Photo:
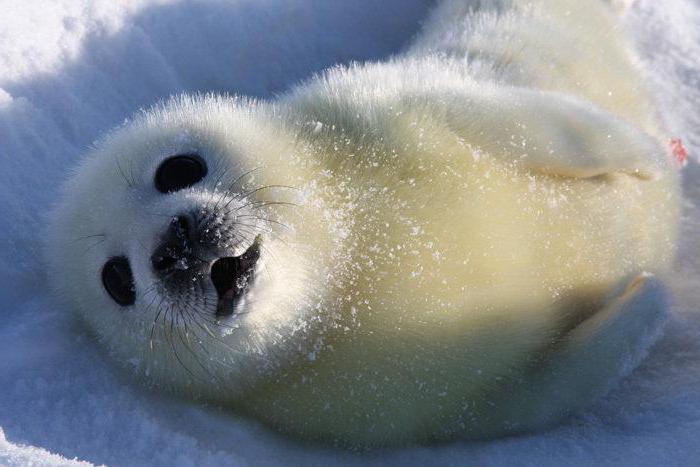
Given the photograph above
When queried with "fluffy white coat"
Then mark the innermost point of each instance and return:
(473, 246)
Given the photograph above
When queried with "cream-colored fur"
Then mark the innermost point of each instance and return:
(459, 260)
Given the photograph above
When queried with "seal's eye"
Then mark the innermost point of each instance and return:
(118, 281)
(178, 172)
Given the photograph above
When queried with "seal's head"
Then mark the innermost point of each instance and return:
(178, 242)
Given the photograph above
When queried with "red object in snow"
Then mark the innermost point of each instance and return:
(679, 152)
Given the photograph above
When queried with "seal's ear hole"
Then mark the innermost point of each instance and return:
(179, 172)
(118, 281)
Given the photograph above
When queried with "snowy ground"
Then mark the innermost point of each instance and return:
(70, 69)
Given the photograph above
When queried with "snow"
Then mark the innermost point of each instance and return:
(71, 69)
(21, 455)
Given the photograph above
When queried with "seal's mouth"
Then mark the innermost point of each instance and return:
(232, 277)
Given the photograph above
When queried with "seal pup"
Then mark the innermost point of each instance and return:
(466, 241)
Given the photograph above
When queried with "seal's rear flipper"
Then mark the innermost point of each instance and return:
(592, 357)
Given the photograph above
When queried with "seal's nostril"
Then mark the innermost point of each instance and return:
(163, 263)
(175, 247)
(179, 228)
(165, 257)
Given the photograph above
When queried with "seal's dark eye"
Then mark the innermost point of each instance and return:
(118, 281)
(178, 172)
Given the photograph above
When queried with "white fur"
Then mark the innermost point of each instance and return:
(461, 210)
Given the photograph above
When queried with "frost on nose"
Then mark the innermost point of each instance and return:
(175, 250)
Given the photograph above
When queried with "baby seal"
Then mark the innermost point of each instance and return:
(465, 241)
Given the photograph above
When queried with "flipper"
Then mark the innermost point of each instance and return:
(592, 357)
(553, 133)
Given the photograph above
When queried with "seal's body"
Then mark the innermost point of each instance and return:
(464, 241)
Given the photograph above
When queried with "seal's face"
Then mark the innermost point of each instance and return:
(178, 242)
(198, 245)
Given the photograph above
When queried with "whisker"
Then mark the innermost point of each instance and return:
(238, 180)
(93, 246)
(155, 320)
(121, 172)
(264, 219)
(218, 180)
(260, 204)
(88, 237)
(256, 190)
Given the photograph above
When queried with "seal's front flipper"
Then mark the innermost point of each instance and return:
(554, 134)
(592, 357)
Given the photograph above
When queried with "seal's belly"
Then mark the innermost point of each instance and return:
(438, 225)
(461, 270)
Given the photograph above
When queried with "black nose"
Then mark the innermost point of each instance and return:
(175, 248)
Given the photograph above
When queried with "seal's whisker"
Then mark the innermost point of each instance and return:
(242, 224)
(155, 320)
(189, 317)
(194, 355)
(256, 190)
(175, 354)
(121, 172)
(94, 245)
(261, 204)
(158, 214)
(266, 187)
(151, 288)
(242, 176)
(204, 349)
(238, 180)
(178, 330)
(216, 183)
(131, 173)
(216, 339)
(148, 309)
(204, 316)
(264, 219)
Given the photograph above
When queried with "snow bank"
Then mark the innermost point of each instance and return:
(71, 69)
(11, 454)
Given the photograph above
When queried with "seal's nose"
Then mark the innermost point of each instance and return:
(176, 247)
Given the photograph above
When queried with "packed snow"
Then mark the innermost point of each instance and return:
(71, 69)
